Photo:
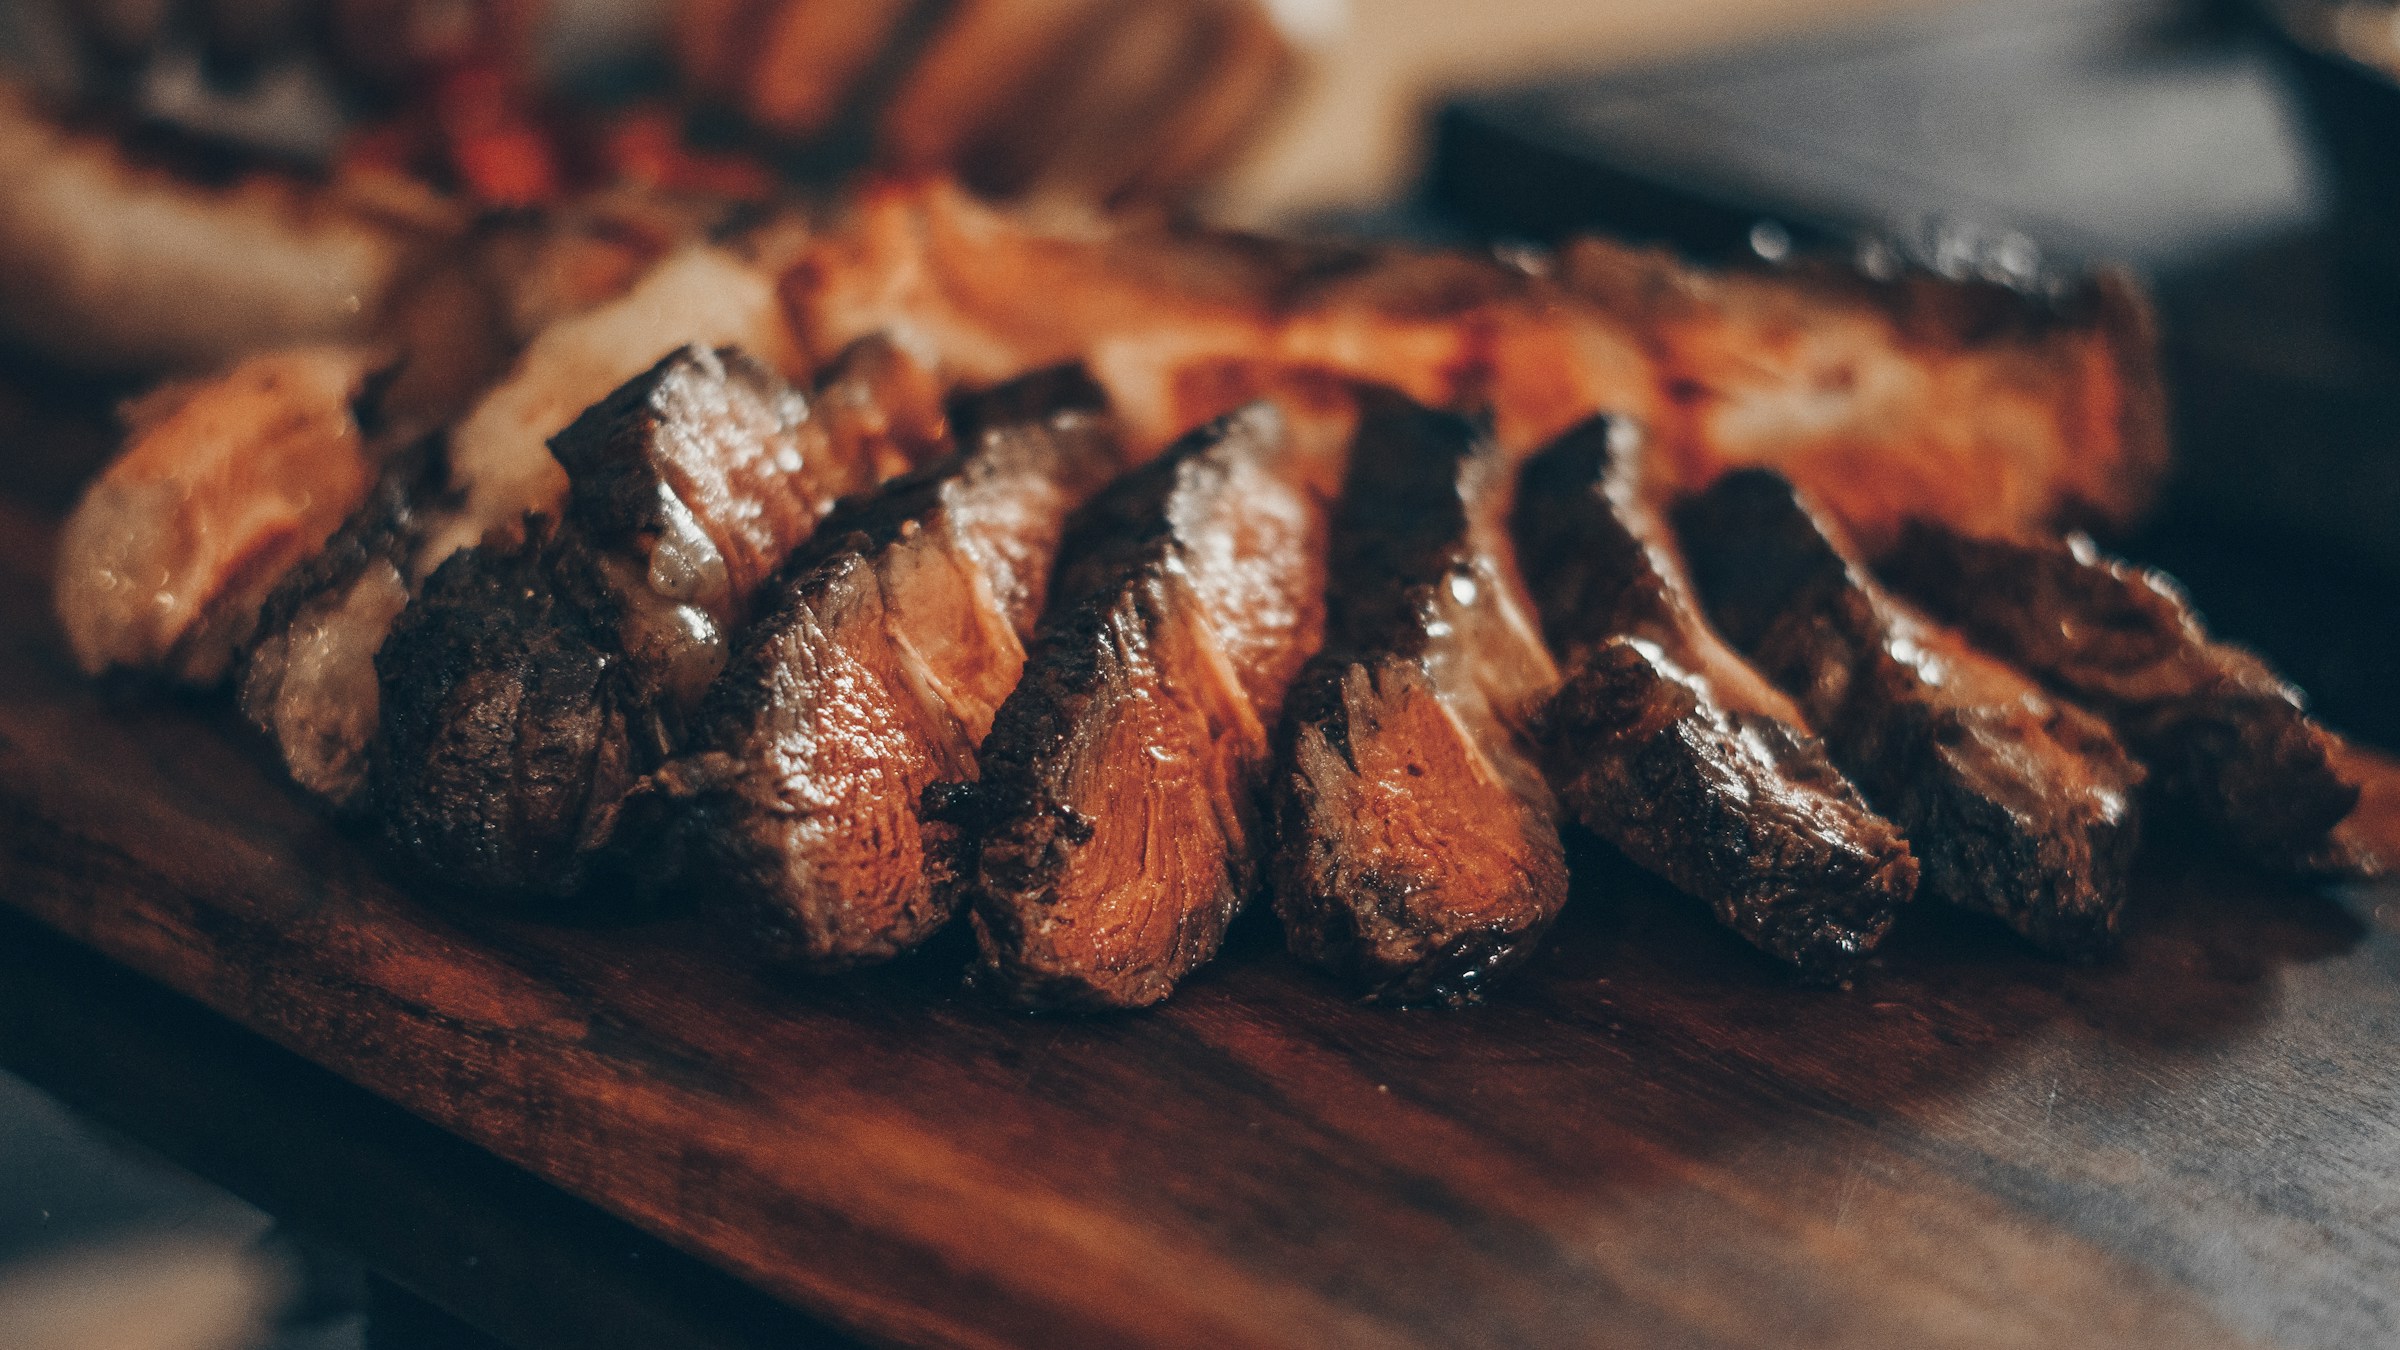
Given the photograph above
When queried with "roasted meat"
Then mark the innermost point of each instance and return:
(2019, 804)
(224, 485)
(1417, 853)
(874, 674)
(1117, 817)
(2225, 736)
(531, 683)
(1981, 406)
(1666, 744)
(500, 464)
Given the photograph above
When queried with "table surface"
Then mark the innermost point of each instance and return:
(620, 1133)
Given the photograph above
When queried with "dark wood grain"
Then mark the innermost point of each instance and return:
(1654, 1139)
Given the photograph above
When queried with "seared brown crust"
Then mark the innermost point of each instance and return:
(2225, 736)
(529, 686)
(2021, 805)
(873, 675)
(507, 729)
(1417, 851)
(1664, 743)
(1117, 821)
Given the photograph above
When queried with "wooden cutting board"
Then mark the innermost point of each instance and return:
(1654, 1139)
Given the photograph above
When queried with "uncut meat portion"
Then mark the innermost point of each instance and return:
(1985, 407)
(873, 674)
(1665, 743)
(1417, 853)
(2020, 805)
(1118, 814)
(531, 683)
(2226, 736)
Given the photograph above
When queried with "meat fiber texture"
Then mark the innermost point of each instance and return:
(1117, 822)
(1665, 743)
(800, 814)
(532, 683)
(1417, 851)
(2226, 738)
(2019, 804)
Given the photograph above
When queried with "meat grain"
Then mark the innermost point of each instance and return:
(1117, 819)
(2227, 738)
(1417, 852)
(1665, 743)
(874, 674)
(2021, 805)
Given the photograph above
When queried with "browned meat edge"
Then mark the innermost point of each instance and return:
(2227, 738)
(528, 687)
(1417, 853)
(1117, 820)
(881, 656)
(2020, 805)
(1660, 742)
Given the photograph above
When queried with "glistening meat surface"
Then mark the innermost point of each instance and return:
(531, 683)
(2019, 804)
(873, 674)
(1117, 818)
(2227, 737)
(1417, 852)
(1666, 744)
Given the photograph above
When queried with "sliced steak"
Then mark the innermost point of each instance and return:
(2021, 805)
(1665, 743)
(705, 472)
(874, 674)
(1117, 819)
(2225, 736)
(1417, 852)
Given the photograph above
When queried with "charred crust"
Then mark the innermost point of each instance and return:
(507, 733)
(2021, 806)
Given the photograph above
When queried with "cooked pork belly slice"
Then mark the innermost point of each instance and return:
(1668, 745)
(500, 462)
(530, 684)
(1417, 852)
(874, 674)
(224, 485)
(308, 680)
(1965, 401)
(1117, 818)
(2226, 737)
(120, 264)
(2020, 805)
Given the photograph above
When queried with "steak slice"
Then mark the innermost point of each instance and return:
(1117, 819)
(1417, 852)
(1665, 743)
(2225, 736)
(532, 683)
(2021, 805)
(873, 674)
